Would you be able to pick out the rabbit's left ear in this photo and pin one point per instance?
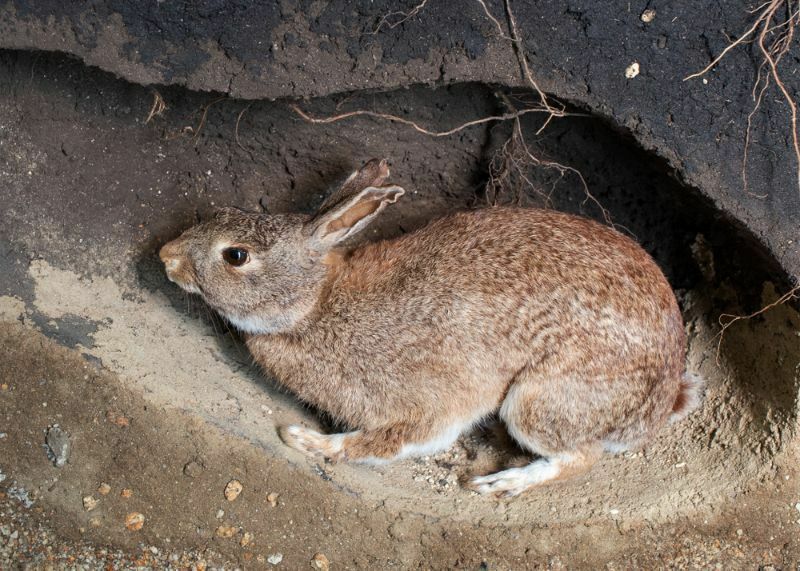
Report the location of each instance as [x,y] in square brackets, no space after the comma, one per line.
[349,217]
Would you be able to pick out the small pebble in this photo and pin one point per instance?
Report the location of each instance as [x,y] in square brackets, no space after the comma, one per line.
[232,490]
[220,514]
[246,540]
[226,531]
[275,558]
[103,489]
[126,493]
[57,446]
[319,561]
[648,15]
[632,70]
[272,498]
[740,532]
[134,521]
[89,503]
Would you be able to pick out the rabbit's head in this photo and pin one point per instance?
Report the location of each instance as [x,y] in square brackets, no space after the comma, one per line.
[265,272]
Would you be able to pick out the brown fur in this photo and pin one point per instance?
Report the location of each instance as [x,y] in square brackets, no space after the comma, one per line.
[566,323]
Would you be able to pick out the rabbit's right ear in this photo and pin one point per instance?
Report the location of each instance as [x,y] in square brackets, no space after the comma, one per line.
[336,225]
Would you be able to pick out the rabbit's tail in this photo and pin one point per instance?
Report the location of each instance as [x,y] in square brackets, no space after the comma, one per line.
[689,396]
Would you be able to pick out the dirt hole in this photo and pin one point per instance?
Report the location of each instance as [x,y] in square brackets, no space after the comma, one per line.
[153,180]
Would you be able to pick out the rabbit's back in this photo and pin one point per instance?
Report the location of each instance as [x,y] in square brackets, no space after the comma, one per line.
[450,314]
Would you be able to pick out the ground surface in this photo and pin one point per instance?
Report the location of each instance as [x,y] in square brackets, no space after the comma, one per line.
[159,398]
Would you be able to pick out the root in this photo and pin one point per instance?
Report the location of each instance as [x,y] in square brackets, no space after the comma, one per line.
[236,130]
[515,157]
[158,107]
[512,161]
[774,41]
[412,124]
[727,319]
[404,17]
[204,115]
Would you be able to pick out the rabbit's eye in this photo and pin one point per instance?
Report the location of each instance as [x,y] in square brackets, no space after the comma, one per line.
[235,256]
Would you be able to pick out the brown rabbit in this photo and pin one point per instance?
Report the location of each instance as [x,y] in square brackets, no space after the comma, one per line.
[563,325]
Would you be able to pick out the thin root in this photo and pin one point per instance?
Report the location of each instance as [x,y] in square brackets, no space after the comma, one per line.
[158,107]
[727,319]
[774,41]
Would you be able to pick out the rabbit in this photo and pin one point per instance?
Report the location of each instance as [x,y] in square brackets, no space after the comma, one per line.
[562,326]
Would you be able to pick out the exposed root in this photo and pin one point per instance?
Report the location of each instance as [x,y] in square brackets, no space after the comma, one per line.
[404,17]
[727,319]
[774,41]
[511,162]
[412,124]
[205,115]
[526,70]
[236,130]
[495,21]
[515,157]
[158,107]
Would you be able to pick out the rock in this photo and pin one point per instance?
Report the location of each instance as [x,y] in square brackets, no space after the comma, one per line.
[648,15]
[193,469]
[272,498]
[20,494]
[90,503]
[57,446]
[246,540]
[226,531]
[319,561]
[134,521]
[103,489]
[275,558]
[232,490]
[220,514]
[126,493]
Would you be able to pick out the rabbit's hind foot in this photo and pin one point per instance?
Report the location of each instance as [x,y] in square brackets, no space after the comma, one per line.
[514,481]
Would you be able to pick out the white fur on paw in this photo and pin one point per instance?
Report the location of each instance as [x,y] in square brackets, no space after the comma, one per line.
[310,441]
[514,481]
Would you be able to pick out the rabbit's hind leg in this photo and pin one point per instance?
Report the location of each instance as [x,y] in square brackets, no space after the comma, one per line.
[545,418]
[373,446]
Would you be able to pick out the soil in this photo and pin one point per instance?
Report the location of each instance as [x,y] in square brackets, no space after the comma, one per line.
[161,399]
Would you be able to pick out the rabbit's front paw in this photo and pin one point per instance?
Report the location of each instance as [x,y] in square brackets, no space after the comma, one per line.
[312,442]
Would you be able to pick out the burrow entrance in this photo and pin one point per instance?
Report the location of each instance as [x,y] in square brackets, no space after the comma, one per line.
[88,208]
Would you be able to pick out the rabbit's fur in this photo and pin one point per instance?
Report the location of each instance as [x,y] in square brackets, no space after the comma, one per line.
[563,325]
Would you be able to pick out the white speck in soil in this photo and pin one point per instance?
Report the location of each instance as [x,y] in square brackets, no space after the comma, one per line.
[275,558]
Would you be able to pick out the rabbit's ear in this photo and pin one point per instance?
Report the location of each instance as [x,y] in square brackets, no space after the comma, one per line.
[373,173]
[350,216]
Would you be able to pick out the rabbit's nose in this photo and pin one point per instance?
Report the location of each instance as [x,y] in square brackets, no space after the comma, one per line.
[170,254]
